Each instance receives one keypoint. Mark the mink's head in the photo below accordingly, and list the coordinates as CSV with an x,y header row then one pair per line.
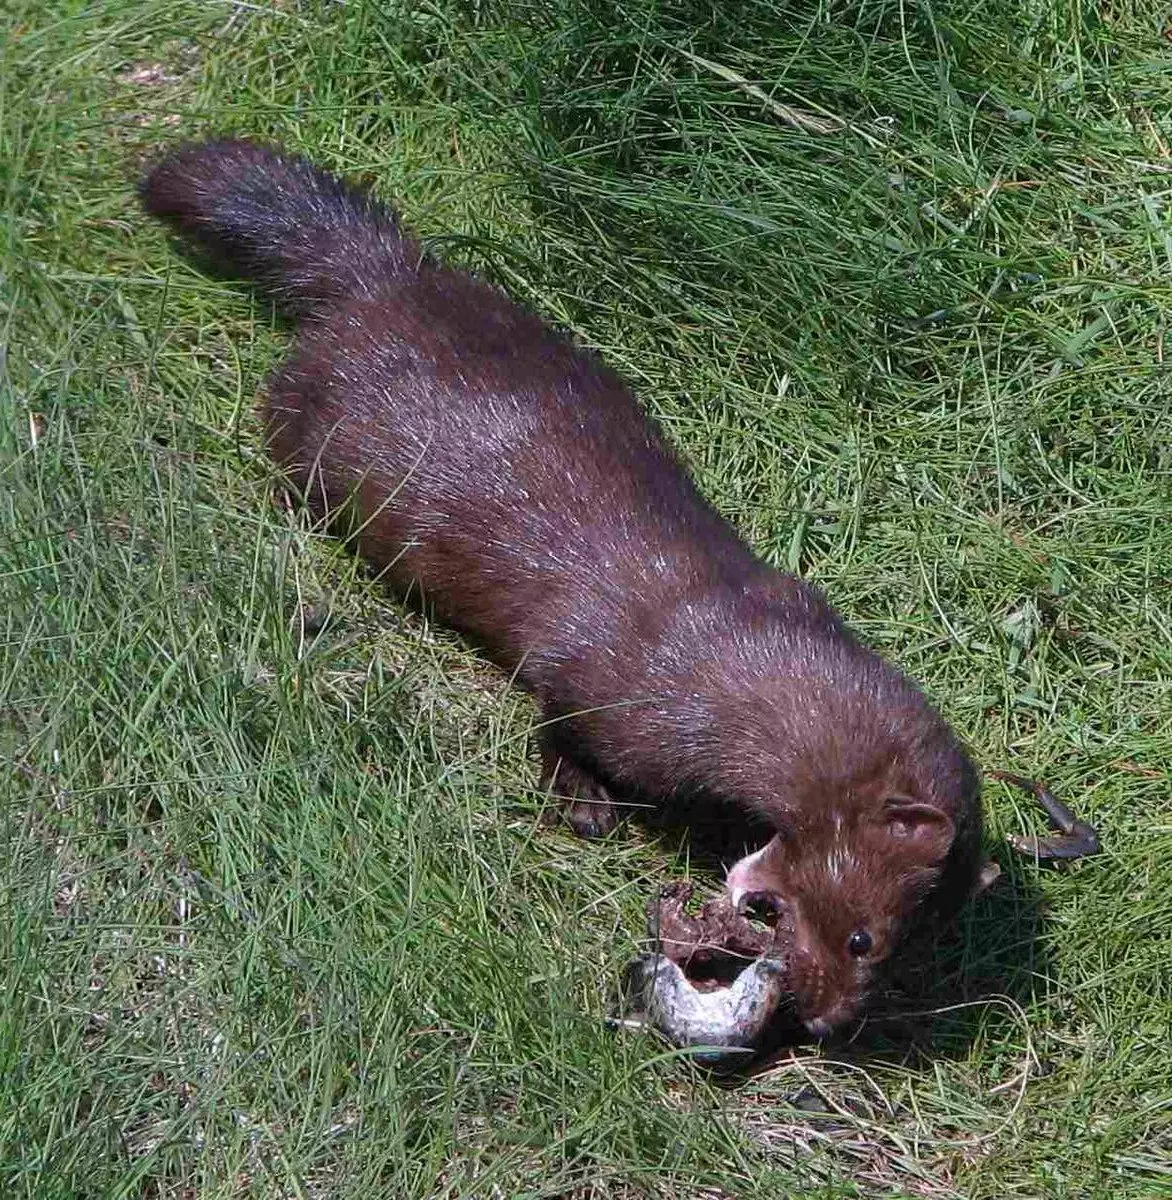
x,y
872,803
872,831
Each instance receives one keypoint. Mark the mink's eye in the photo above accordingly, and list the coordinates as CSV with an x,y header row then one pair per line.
x,y
860,943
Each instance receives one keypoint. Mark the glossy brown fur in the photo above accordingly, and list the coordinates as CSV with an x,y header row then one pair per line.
x,y
510,478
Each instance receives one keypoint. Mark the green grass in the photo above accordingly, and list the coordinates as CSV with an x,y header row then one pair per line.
x,y
278,914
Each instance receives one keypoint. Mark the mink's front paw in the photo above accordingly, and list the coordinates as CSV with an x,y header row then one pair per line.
x,y
593,818
589,810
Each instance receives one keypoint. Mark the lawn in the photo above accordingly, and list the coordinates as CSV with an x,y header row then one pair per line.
x,y
278,912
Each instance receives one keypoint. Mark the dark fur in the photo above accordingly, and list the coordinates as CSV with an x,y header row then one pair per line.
x,y
512,479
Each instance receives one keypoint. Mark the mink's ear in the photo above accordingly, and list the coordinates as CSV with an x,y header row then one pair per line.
x,y
926,829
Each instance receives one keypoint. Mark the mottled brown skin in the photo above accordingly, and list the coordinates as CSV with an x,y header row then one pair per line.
x,y
718,941
509,480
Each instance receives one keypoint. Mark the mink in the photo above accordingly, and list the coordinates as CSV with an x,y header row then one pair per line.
x,y
488,466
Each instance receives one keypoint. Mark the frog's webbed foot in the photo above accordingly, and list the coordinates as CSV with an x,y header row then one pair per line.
x,y
1075,838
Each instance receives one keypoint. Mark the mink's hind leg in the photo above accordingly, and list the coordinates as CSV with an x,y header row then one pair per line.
x,y
590,810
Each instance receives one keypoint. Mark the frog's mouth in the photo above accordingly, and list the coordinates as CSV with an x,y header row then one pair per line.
x,y
717,981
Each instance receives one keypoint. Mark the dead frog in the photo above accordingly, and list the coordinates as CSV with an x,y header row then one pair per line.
x,y
714,981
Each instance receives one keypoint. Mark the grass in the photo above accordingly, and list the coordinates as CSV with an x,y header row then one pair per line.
x,y
279,918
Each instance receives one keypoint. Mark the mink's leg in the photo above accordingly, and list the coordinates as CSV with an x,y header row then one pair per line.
x,y
590,810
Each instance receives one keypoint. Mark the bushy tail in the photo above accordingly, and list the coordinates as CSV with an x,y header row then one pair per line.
x,y
305,237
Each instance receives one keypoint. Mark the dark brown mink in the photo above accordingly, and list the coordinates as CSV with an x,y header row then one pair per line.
x,y
510,479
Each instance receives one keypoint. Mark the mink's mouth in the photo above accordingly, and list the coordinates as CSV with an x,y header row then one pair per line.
x,y
762,908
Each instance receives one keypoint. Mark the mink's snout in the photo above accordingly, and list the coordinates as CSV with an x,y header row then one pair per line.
x,y
825,1000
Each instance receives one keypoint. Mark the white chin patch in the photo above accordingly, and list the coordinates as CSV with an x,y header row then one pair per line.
x,y
749,874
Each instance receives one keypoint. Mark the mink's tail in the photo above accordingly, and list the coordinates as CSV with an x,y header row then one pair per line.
x,y
308,239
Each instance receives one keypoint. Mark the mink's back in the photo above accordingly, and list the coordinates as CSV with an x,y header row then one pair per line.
x,y
507,473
